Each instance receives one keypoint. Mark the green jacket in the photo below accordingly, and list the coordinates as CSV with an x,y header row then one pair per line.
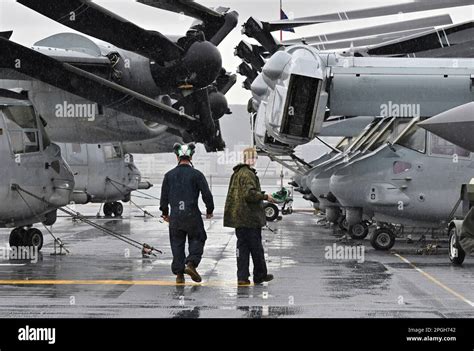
x,y
244,202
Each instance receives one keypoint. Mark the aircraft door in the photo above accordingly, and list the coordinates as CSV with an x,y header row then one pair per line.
x,y
77,157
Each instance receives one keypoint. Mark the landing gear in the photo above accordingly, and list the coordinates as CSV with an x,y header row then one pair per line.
x,y
456,252
383,239
31,237
342,223
17,237
115,208
359,231
271,212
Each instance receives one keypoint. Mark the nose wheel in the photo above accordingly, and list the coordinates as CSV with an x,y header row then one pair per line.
x,y
383,239
113,208
31,237
359,231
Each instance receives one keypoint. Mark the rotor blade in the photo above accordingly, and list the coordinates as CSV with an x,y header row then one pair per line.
x,y
225,82
417,5
376,30
254,28
367,41
465,50
7,34
286,24
217,24
435,39
94,20
455,125
250,54
89,86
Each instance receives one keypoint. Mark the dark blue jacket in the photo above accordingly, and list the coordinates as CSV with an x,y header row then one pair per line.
x,y
180,190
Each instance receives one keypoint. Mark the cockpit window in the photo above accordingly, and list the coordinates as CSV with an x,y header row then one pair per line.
x,y
414,139
22,128
390,133
344,144
442,147
375,134
367,133
112,152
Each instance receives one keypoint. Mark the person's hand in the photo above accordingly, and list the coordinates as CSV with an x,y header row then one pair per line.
x,y
270,198
166,218
209,216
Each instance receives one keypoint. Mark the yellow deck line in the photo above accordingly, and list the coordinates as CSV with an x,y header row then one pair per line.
x,y
436,281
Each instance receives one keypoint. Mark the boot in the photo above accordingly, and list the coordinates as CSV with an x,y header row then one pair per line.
x,y
191,271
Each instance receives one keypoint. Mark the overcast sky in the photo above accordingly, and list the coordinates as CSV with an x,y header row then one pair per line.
x,y
29,26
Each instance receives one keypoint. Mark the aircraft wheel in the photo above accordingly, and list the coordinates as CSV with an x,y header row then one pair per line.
x,y
117,209
34,238
342,223
108,209
271,212
17,237
359,231
456,252
383,239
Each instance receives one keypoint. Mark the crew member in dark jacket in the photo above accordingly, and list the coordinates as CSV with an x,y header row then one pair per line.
x,y
244,211
180,190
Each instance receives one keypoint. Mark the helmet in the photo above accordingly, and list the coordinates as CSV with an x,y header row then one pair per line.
x,y
185,151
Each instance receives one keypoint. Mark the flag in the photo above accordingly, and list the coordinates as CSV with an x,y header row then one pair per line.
x,y
283,16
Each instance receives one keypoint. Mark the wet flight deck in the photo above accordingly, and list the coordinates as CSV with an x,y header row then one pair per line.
x,y
104,277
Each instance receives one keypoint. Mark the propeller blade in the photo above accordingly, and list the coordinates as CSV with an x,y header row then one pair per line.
x,y
376,30
96,21
454,125
91,87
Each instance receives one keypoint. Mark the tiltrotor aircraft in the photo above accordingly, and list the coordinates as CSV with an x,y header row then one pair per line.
x,y
136,86
31,164
413,181
456,125
103,173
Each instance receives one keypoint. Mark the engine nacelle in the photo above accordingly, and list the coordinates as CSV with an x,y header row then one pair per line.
x,y
292,87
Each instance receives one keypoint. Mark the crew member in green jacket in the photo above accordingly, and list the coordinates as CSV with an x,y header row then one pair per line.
x,y
244,211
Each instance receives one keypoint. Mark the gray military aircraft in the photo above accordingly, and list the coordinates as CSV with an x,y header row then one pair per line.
x,y
413,180
103,173
137,86
456,125
283,79
31,164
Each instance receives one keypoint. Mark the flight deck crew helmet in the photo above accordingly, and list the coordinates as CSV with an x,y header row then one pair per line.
x,y
185,151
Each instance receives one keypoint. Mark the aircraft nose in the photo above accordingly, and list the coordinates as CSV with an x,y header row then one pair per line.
x,y
342,185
